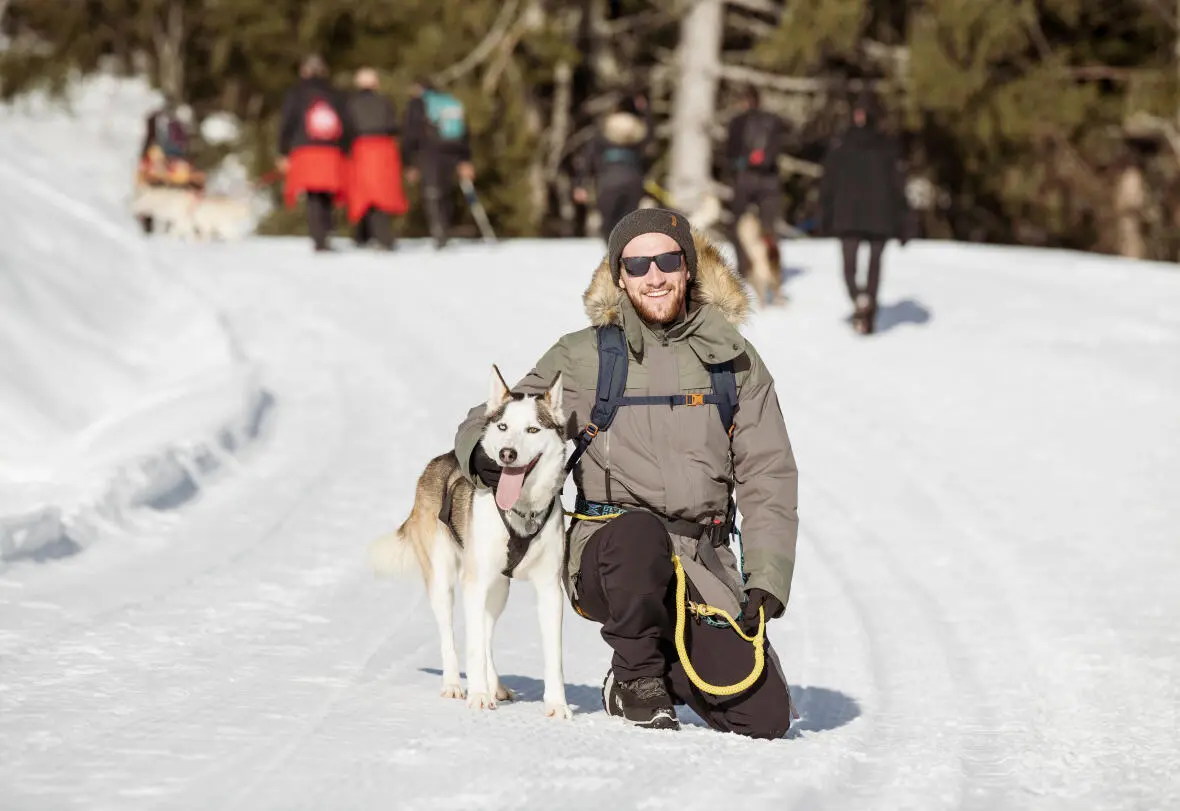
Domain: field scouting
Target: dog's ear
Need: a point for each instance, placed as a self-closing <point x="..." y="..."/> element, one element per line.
<point x="553" y="397"/>
<point x="498" y="391"/>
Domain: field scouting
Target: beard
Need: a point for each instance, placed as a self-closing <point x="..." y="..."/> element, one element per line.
<point x="662" y="310"/>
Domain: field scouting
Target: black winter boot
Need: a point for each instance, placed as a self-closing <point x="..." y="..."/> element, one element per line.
<point x="643" y="702"/>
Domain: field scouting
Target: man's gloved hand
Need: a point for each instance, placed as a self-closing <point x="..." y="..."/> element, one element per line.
<point x="484" y="468"/>
<point x="756" y="597"/>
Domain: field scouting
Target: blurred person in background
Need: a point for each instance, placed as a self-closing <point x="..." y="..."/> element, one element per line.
<point x="755" y="141"/>
<point x="614" y="161"/>
<point x="375" y="192"/>
<point x="862" y="199"/>
<point x="438" y="150"/>
<point x="314" y="138"/>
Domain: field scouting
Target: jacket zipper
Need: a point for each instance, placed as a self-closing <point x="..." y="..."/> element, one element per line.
<point x="606" y="465"/>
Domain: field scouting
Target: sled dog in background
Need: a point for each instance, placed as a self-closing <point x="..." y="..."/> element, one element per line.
<point x="191" y="215"/>
<point x="486" y="538"/>
<point x="766" y="272"/>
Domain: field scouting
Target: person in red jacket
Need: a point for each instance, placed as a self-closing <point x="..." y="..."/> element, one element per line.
<point x="375" y="190"/>
<point x="314" y="136"/>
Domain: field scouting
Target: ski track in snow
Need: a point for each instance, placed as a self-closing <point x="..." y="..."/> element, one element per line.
<point x="956" y="637"/>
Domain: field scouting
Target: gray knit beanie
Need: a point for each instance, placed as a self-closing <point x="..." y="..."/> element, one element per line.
<point x="651" y="221"/>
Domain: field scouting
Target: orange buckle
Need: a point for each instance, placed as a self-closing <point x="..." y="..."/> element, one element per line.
<point x="694" y="399"/>
<point x="591" y="430"/>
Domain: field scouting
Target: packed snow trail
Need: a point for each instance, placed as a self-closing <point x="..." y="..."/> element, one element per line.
<point x="120" y="386"/>
<point x="984" y="613"/>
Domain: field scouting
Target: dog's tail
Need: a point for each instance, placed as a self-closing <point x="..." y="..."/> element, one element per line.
<point x="392" y="554"/>
<point x="412" y="542"/>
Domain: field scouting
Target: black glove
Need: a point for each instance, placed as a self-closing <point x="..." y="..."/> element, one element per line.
<point x="754" y="598"/>
<point x="484" y="468"/>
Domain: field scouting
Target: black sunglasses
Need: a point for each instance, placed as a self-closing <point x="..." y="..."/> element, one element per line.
<point x="637" y="266"/>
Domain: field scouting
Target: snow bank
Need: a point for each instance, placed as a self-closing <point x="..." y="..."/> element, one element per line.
<point x="120" y="386"/>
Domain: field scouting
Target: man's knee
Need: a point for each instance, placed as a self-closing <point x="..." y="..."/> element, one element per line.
<point x="766" y="714"/>
<point x="773" y="723"/>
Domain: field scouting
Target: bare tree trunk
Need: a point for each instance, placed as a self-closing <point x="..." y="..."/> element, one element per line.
<point x="602" y="59"/>
<point x="559" y="131"/>
<point x="1129" y="200"/>
<point x="698" y="60"/>
<point x="168" y="38"/>
<point x="538" y="188"/>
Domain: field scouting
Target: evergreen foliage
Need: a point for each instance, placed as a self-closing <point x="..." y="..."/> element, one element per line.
<point x="1021" y="113"/>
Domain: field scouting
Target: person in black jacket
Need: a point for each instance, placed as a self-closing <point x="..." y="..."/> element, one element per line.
<point x="615" y="160"/>
<point x="862" y="199"/>
<point x="315" y="135"/>
<point x="375" y="190"/>
<point x="437" y="149"/>
<point x="755" y="141"/>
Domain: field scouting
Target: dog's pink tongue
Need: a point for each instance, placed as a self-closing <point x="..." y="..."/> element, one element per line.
<point x="511" y="483"/>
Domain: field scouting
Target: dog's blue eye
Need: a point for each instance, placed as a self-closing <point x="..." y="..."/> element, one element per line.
<point x="503" y="426"/>
<point x="533" y="430"/>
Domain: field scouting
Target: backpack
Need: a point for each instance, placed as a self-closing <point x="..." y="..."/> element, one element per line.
<point x="322" y="122"/>
<point x="757" y="140"/>
<point x="445" y="113"/>
<point x="620" y="155"/>
<point x="612" y="383"/>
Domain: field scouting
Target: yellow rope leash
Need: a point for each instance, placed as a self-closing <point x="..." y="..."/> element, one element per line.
<point x="683" y="605"/>
<point x="704" y="610"/>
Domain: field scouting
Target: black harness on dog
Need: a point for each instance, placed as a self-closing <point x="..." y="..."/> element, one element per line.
<point x="518" y="545"/>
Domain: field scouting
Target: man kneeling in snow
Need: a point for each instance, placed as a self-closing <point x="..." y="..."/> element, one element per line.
<point x="658" y="481"/>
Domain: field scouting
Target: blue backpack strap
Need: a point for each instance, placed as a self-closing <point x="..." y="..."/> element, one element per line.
<point x="725" y="391"/>
<point x="612" y="382"/>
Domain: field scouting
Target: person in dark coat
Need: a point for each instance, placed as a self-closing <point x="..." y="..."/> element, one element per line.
<point x="615" y="161"/>
<point x="314" y="137"/>
<point x="437" y="148"/>
<point x="375" y="190"/>
<point x="755" y="141"/>
<point x="862" y="199"/>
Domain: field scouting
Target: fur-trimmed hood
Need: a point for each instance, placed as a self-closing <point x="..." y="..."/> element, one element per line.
<point x="719" y="303"/>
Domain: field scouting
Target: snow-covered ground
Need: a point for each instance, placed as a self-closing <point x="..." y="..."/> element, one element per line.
<point x="985" y="613"/>
<point x="121" y="384"/>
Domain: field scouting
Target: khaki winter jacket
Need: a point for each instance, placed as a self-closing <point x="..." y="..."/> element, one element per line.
<point x="674" y="460"/>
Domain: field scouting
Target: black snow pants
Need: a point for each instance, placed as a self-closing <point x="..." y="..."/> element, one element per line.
<point x="760" y="189"/>
<point x="319" y="218"/>
<point x="374" y="224"/>
<point x="439" y="178"/>
<point x="851" y="248"/>
<point x="619" y="193"/>
<point x="627" y="584"/>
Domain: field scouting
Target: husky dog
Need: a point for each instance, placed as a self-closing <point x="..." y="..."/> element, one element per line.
<point x="766" y="272"/>
<point x="168" y="208"/>
<point x="488" y="537"/>
<point x="222" y="216"/>
<point x="190" y="215"/>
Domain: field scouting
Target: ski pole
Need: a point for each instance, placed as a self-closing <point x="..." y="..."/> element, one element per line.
<point x="477" y="210"/>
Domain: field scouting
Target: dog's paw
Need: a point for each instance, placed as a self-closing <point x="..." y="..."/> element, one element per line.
<point x="481" y="701"/>
<point x="504" y="694"/>
<point x="453" y="691"/>
<point x="561" y="711"/>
